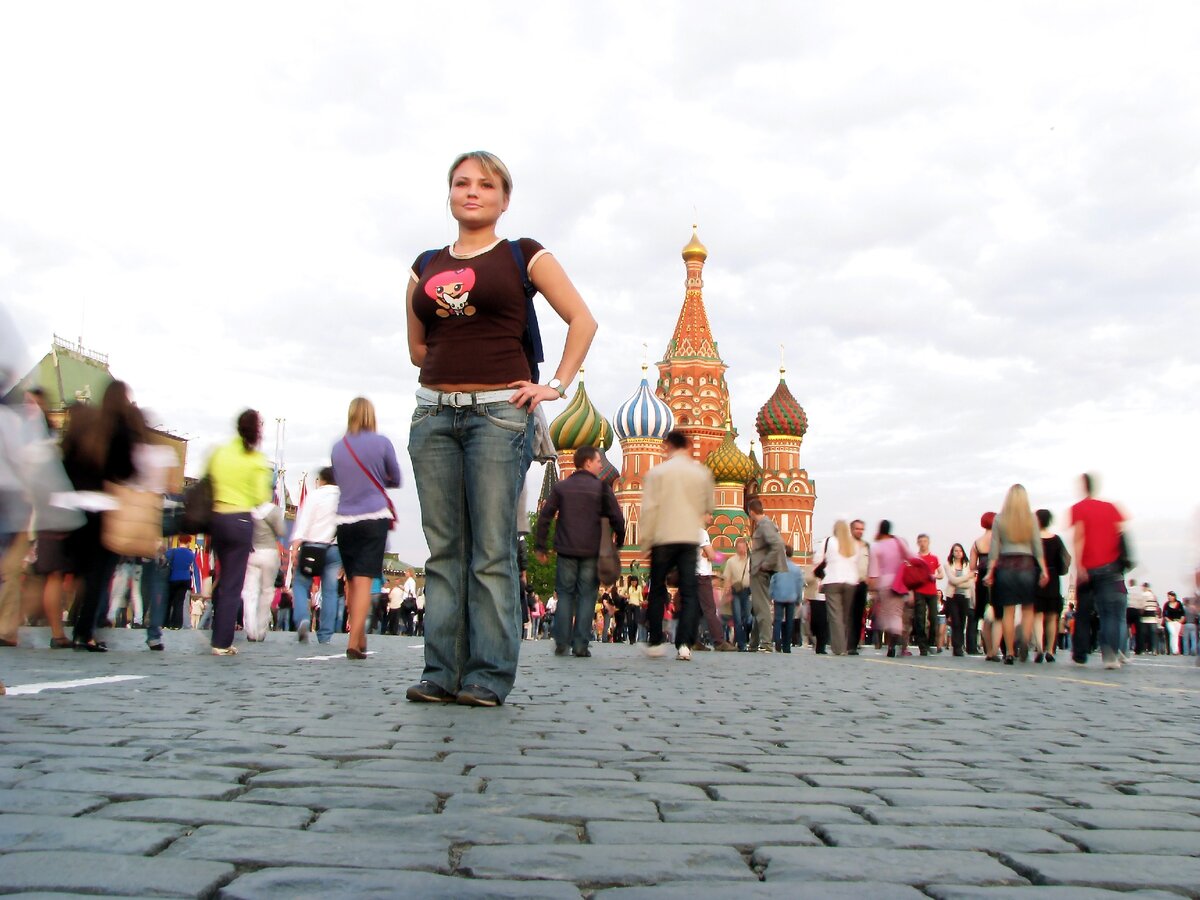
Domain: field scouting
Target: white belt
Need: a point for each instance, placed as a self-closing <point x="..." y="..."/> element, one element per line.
<point x="459" y="399"/>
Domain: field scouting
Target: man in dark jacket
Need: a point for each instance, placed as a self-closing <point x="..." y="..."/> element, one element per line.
<point x="579" y="502"/>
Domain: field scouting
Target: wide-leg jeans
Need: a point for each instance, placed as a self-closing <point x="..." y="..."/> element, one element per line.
<point x="469" y="464"/>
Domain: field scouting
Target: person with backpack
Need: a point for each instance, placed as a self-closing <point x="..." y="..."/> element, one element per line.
<point x="473" y="334"/>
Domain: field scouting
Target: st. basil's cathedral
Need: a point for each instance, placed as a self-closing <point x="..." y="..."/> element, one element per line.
<point x="691" y="394"/>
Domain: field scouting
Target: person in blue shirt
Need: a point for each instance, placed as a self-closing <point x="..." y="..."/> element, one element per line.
<point x="787" y="588"/>
<point x="181" y="561"/>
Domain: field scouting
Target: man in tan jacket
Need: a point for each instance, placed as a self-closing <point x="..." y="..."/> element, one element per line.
<point x="677" y="494"/>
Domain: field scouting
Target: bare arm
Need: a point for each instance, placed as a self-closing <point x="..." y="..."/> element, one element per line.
<point x="416" y="331"/>
<point x="549" y="277"/>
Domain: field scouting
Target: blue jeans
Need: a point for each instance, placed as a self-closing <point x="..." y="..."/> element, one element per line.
<point x="283" y="618"/>
<point x="576" y="583"/>
<point x="331" y="603"/>
<point x="1188" y="640"/>
<point x="1104" y="592"/>
<point x="741" y="616"/>
<point x="785" y="618"/>
<point x="154" y="594"/>
<point x="469" y="464"/>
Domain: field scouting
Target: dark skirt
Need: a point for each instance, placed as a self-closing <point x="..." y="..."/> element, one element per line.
<point x="1016" y="581"/>
<point x="362" y="545"/>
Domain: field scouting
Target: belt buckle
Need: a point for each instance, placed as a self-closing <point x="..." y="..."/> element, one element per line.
<point x="455" y="399"/>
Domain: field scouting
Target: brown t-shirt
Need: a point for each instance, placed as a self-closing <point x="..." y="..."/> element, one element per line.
<point x="473" y="310"/>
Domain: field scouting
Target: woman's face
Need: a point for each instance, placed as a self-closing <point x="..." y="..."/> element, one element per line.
<point x="476" y="198"/>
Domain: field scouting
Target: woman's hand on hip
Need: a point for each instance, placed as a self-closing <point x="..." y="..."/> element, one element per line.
<point x="529" y="394"/>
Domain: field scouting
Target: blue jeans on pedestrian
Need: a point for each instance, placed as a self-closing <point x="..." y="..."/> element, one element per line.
<point x="576" y="584"/>
<point x="1188" y="639"/>
<point x="785" y="619"/>
<point x="283" y="618"/>
<point x="154" y="594"/>
<point x="331" y="603"/>
<point x="469" y="464"/>
<point x="1104" y="592"/>
<point x="741" y="616"/>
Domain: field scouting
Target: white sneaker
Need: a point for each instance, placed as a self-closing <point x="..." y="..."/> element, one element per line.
<point x="683" y="653"/>
<point x="655" y="651"/>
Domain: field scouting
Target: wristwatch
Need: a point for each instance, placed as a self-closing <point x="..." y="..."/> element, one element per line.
<point x="557" y="384"/>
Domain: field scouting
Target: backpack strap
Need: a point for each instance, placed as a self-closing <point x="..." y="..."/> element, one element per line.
<point x="425" y="259"/>
<point x="532" y="338"/>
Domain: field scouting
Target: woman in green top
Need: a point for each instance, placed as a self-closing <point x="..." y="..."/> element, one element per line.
<point x="241" y="477"/>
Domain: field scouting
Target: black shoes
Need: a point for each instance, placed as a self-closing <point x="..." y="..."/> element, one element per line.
<point x="1008" y="660"/>
<point x="584" y="652"/>
<point x="560" y="650"/>
<point x="474" y="695"/>
<point x="428" y="692"/>
<point x="92" y="646"/>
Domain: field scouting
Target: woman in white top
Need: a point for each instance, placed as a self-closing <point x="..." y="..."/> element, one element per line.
<point x="839" y="553"/>
<point x="316" y="523"/>
<point x="959" y="581"/>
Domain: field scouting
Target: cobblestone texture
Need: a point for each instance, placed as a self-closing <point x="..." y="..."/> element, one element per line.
<point x="615" y="777"/>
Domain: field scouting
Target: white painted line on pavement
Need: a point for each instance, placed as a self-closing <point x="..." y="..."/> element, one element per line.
<point x="18" y="689"/>
<point x="334" y="656"/>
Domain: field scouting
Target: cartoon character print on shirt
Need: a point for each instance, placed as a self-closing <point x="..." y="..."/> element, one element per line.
<point x="452" y="291"/>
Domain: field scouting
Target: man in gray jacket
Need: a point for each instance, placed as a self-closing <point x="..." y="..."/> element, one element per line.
<point x="767" y="556"/>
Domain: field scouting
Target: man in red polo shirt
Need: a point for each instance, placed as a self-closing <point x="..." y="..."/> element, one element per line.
<point x="925" y="615"/>
<point x="1098" y="578"/>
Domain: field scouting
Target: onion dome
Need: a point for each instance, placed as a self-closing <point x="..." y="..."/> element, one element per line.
<point x="580" y="425"/>
<point x="608" y="472"/>
<point x="782" y="415"/>
<point x="728" y="464"/>
<point x="694" y="249"/>
<point x="643" y="416"/>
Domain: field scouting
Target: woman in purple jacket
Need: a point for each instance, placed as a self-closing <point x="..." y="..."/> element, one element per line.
<point x="364" y="465"/>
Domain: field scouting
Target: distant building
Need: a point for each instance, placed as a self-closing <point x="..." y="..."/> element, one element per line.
<point x="70" y="374"/>
<point x="691" y="394"/>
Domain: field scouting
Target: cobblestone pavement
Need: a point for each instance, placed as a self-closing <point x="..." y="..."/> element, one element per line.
<point x="290" y="772"/>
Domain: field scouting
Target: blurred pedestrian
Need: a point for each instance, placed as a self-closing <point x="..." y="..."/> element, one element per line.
<point x="241" y="478"/>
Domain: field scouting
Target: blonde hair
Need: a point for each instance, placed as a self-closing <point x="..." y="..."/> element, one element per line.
<point x="1015" y="522"/>
<point x="361" y="416"/>
<point x="491" y="165"/>
<point x="847" y="546"/>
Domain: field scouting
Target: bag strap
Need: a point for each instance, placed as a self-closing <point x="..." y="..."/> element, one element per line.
<point x="375" y="481"/>
<point x="531" y="339"/>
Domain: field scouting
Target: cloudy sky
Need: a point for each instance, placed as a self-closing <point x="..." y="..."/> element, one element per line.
<point x="974" y="227"/>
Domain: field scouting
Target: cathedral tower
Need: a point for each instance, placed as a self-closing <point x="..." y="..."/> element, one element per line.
<point x="691" y="376"/>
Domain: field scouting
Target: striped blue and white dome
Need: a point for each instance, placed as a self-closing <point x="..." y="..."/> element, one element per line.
<point x="643" y="416"/>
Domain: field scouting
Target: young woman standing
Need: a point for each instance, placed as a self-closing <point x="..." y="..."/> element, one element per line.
<point x="471" y="439"/>
<point x="1049" y="602"/>
<point x="959" y="579"/>
<point x="1015" y="568"/>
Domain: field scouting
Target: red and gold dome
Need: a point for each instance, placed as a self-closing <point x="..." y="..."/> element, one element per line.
<point x="782" y="415"/>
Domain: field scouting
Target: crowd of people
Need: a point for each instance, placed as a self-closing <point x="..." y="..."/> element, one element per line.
<point x="476" y="427"/>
